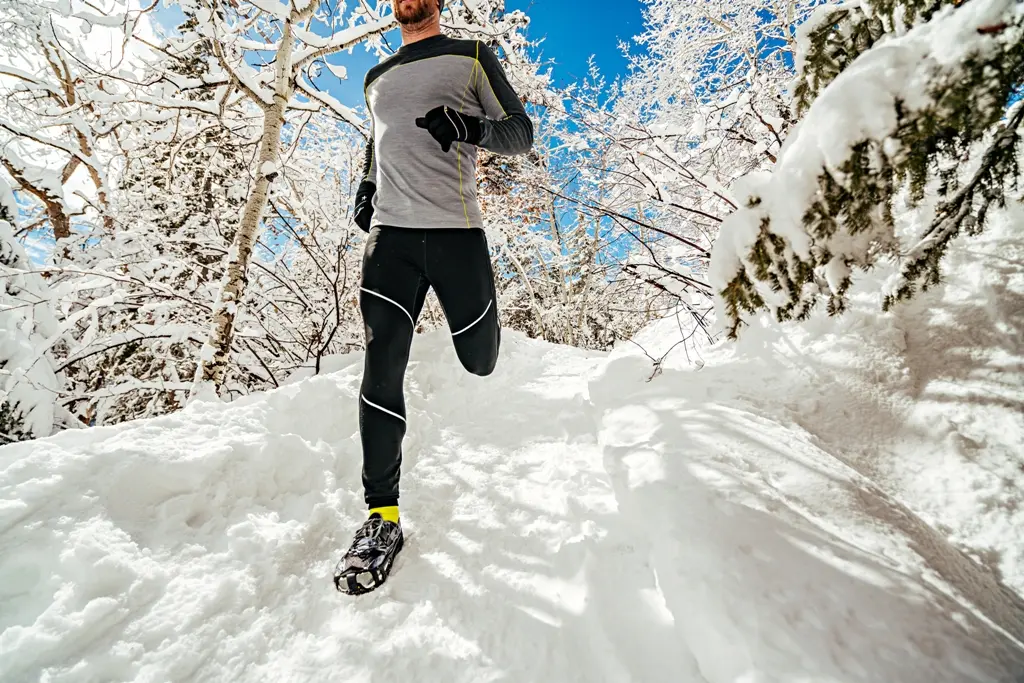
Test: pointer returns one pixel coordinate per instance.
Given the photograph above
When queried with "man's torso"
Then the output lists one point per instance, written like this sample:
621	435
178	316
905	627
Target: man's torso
418	185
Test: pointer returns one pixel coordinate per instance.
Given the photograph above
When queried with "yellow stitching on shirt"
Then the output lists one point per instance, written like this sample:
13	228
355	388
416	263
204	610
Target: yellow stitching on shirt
488	78
465	91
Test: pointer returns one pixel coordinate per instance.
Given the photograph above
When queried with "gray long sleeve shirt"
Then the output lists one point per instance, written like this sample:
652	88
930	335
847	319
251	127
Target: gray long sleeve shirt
418	185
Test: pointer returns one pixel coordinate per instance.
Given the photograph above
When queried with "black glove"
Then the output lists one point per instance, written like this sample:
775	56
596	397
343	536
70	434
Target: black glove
449	125
364	204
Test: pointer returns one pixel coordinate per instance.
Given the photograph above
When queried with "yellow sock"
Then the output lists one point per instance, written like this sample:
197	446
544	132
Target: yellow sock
389	513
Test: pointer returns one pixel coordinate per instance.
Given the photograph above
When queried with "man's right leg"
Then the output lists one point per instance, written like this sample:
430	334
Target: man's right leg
458	265
392	294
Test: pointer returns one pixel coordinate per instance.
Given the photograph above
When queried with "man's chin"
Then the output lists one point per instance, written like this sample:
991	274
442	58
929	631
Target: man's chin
417	16
413	20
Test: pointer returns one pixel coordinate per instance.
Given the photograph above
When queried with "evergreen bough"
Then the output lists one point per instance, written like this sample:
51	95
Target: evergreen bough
971	117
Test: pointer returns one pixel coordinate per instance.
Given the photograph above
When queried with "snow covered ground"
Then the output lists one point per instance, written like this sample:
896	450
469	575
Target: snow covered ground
834	502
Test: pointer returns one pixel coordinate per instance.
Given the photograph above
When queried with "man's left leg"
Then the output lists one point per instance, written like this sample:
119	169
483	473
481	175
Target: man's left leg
458	265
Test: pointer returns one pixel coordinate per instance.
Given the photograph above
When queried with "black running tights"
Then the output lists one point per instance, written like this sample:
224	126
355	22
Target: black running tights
399	267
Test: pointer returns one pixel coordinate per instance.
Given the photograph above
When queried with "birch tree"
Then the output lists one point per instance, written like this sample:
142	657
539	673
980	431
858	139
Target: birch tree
235	32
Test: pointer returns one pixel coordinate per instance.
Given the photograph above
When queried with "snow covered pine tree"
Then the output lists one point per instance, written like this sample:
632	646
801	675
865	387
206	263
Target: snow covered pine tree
899	97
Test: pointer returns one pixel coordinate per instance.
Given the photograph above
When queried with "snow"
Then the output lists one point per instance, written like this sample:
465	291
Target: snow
253	80
327	100
268	168
860	104
340	71
27	380
311	39
276	9
7	200
114	21
344	39
834	502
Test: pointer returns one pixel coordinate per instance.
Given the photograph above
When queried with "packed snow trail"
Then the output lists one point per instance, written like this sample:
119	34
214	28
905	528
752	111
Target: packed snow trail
786	513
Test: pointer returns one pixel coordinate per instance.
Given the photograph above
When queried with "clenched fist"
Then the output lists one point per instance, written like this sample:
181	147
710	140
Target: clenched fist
449	125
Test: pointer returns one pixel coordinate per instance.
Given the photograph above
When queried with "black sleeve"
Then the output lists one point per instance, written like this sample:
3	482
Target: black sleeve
369	159
369	164
507	128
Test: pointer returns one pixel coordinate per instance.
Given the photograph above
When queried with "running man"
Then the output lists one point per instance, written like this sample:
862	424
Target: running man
431	105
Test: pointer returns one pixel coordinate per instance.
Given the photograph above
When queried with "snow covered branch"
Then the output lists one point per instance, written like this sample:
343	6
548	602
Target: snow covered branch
903	114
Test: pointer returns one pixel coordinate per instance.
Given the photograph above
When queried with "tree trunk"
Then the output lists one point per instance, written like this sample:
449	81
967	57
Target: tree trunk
213	360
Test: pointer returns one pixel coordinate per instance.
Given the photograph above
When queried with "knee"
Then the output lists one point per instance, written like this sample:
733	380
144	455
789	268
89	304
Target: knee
385	361
481	366
481	359
483	370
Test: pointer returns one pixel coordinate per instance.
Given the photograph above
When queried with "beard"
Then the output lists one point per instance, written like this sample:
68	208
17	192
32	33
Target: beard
417	14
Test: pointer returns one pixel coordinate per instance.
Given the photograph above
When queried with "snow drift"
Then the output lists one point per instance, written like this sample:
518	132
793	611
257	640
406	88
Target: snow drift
836	502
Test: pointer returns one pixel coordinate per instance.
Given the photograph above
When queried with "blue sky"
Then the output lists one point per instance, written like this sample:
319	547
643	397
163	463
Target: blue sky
574	30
